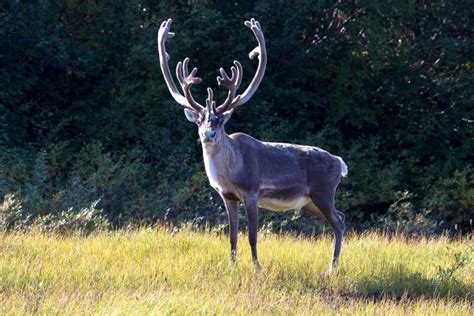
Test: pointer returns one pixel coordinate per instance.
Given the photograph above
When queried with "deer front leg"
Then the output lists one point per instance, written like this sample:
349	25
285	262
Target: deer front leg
252	217
232	207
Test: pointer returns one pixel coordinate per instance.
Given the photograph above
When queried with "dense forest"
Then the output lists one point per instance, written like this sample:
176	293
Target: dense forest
90	136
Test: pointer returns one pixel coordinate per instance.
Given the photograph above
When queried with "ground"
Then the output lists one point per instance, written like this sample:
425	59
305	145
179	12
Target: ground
155	271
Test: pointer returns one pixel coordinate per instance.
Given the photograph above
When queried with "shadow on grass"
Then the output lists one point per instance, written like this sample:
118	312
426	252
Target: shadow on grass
399	282
396	282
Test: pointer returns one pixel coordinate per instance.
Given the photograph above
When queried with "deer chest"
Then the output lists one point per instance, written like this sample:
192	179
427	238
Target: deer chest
213	172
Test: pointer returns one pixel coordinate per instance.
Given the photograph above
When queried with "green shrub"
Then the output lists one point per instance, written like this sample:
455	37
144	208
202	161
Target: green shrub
85	114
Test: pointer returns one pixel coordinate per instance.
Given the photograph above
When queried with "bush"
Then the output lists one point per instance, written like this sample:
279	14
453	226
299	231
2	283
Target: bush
86	220
85	115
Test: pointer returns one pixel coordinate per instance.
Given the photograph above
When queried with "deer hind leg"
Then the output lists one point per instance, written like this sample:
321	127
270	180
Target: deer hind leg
326	205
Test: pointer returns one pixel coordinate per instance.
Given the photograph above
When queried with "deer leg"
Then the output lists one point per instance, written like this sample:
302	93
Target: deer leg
252	216
232	207
339	229
325	203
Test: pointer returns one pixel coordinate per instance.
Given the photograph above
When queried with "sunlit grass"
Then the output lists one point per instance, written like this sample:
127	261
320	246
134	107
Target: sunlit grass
153	271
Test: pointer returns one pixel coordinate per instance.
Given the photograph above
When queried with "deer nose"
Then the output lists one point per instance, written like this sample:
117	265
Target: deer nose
210	133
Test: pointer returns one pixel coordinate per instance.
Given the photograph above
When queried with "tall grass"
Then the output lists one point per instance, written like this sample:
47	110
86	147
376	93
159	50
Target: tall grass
153	271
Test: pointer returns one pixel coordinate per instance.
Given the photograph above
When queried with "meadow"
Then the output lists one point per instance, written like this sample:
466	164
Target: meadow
155	271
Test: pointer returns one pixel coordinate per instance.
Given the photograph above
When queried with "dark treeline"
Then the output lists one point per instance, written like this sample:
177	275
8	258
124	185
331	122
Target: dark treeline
89	133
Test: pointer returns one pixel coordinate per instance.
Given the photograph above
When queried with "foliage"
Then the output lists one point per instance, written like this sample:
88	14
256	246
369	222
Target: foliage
85	221
159	272
461	260
85	115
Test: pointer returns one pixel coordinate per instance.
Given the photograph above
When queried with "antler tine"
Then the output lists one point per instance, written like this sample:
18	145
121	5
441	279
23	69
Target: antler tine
210	103
163	35
186	81
232	84
239	73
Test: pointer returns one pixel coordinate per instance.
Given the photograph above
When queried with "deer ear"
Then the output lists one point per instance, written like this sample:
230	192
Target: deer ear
226	116
191	115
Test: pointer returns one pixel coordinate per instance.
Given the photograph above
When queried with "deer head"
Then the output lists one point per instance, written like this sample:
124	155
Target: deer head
211	118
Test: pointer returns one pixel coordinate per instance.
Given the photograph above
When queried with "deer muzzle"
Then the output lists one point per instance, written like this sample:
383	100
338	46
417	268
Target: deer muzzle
208	135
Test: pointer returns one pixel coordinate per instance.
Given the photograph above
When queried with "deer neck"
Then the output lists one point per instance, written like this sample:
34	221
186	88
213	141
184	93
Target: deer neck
218	159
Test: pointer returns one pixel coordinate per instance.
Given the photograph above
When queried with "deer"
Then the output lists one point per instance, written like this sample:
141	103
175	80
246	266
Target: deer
274	176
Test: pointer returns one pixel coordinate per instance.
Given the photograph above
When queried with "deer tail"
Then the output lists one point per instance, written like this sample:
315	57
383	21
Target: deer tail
344	169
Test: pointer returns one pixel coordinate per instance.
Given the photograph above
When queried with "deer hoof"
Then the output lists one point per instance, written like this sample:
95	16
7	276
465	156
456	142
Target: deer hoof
257	268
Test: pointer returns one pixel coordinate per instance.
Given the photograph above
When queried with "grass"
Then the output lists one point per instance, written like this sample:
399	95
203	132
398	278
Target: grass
153	272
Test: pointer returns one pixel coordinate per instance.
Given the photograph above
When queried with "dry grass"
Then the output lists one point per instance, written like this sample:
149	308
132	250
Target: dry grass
154	272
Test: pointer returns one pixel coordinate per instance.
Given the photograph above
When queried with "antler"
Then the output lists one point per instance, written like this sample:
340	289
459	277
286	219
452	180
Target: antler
186	80
233	83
